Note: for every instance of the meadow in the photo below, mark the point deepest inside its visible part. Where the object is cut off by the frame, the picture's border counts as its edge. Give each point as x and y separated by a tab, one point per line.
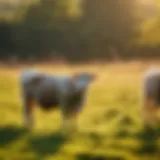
109	127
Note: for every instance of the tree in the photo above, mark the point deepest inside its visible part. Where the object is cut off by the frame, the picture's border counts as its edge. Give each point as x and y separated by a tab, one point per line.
6	39
108	24
75	29
150	29
44	28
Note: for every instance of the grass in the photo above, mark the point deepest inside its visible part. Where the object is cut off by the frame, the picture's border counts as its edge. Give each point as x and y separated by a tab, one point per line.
110	126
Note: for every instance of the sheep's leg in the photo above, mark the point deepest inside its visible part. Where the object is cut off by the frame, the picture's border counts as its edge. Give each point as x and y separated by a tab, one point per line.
74	123
73	117
149	111
28	112
64	124
66	119
145	111
69	116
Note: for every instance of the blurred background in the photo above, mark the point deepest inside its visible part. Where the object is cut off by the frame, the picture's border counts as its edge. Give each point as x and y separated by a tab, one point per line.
79	30
68	36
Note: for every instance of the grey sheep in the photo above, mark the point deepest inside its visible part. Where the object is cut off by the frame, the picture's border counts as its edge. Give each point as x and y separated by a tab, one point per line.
48	91
151	96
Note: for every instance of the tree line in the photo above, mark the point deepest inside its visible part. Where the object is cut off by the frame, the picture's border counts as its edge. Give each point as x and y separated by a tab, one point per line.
78	30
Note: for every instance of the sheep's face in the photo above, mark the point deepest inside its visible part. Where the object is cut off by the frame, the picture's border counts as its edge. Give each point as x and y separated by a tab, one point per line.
83	80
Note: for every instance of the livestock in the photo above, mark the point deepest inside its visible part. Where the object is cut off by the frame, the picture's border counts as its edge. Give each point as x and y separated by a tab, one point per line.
151	96
49	91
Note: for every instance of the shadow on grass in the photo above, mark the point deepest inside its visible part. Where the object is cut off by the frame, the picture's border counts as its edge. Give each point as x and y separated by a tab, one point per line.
124	124
9	134
149	138
97	157
112	113
46	144
123	133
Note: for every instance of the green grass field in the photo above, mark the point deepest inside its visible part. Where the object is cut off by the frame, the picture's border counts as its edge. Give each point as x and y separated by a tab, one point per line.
110	125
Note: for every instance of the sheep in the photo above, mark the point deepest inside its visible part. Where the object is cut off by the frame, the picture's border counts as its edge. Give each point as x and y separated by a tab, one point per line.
151	96
49	91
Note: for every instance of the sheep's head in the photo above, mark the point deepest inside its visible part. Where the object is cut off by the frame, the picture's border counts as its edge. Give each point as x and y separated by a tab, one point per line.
83	79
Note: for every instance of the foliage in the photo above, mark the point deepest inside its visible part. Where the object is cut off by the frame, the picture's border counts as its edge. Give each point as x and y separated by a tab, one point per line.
76	30
150	29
